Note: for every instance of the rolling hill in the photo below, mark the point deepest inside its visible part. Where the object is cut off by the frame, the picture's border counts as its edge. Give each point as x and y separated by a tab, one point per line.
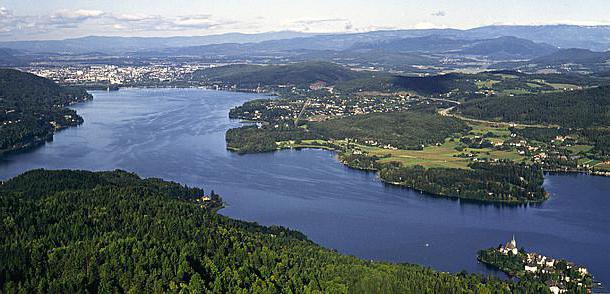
10	57
496	48
251	76
575	56
579	109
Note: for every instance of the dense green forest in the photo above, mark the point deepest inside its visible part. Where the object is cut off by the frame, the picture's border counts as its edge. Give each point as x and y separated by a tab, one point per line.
79	231
299	74
486	181
509	264
32	108
437	84
404	130
252	139
580	109
502	181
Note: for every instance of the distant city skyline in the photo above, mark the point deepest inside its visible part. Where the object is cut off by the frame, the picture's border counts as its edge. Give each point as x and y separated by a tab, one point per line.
60	19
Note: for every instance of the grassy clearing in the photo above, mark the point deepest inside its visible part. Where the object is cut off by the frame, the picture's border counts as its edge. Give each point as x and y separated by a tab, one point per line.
533	85
563	86
580	148
317	144
442	156
509	155
590	162
432	156
507	76
488	84
481	129
515	92
603	166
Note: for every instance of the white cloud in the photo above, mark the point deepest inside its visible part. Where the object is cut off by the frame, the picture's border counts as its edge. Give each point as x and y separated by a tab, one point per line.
439	13
83	13
4	11
71	18
132	17
321	25
160	23
76	20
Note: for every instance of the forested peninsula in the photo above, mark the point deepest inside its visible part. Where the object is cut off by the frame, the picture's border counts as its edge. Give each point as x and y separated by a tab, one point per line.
488	180
33	108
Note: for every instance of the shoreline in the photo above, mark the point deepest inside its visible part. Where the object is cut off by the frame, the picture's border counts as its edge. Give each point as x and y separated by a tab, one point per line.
401	185
39	141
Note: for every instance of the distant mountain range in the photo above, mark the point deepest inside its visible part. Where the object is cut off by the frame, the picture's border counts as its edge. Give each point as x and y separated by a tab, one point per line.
596	38
11	57
529	48
576	56
120	45
303	74
496	48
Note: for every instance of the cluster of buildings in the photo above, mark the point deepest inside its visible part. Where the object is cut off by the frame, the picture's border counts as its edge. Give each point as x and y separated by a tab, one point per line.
558	275
108	74
208	201
328	107
510	247
331	106
566	273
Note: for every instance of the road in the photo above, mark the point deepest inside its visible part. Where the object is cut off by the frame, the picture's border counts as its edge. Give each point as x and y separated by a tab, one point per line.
447	112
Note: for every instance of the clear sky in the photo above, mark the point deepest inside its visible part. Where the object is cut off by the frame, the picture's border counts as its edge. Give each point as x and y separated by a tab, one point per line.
58	19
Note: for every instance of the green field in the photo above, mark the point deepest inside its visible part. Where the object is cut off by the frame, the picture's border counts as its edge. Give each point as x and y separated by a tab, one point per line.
442	156
603	166
576	149
486	84
432	156
563	86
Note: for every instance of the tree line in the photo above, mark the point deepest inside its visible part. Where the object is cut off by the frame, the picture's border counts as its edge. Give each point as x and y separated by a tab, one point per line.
79	231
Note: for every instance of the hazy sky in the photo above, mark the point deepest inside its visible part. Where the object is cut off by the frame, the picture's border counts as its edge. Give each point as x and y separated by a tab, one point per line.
57	19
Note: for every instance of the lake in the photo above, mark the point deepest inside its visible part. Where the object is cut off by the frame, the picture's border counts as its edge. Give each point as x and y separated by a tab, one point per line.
178	134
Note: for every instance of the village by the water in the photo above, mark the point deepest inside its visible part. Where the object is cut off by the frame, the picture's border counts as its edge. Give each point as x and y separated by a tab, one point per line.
559	275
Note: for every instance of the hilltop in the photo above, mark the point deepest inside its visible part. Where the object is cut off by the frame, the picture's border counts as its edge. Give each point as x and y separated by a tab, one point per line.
301	74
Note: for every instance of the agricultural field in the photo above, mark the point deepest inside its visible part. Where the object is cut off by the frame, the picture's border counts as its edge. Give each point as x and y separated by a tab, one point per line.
450	154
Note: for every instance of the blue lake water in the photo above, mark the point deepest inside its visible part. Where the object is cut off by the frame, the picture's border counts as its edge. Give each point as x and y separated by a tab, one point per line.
178	134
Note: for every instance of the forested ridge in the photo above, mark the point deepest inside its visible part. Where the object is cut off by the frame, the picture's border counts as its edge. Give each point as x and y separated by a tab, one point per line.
300	74
77	231
32	108
578	109
406	130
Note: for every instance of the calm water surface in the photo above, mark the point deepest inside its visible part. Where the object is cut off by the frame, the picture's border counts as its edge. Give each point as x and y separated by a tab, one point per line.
178	134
